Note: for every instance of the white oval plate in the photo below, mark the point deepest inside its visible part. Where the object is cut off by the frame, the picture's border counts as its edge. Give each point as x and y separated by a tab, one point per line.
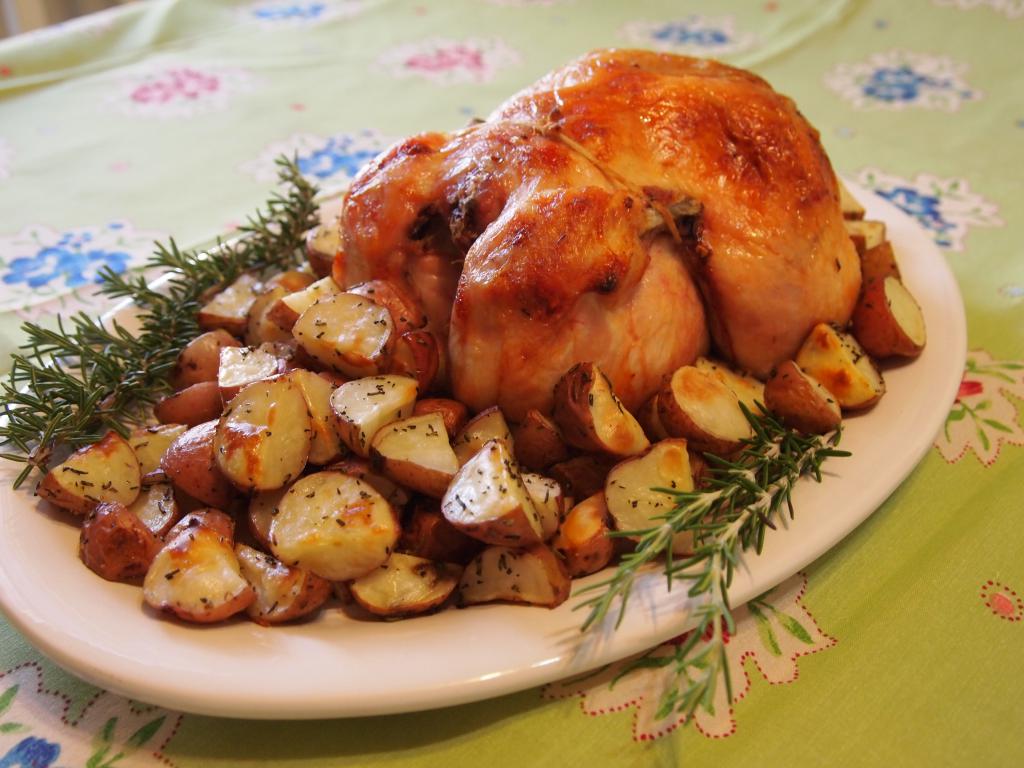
339	666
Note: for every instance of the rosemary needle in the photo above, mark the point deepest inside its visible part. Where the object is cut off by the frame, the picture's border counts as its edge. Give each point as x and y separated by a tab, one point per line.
70	385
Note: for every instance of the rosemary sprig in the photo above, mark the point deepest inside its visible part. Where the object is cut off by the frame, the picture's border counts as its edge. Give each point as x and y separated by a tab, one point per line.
71	385
730	515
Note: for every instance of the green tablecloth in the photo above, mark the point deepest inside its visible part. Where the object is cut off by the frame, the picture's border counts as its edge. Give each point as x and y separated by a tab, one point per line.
902	646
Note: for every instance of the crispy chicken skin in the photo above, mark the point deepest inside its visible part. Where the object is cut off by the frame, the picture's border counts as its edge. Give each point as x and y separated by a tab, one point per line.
617	211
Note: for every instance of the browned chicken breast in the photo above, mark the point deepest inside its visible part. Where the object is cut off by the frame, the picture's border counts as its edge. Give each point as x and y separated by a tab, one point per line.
618	211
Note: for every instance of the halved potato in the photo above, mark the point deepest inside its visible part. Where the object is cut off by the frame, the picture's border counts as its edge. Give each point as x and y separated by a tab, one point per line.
629	491
415	452
489	500
887	321
229	309
582	476
405	585
282	593
878	263
191	466
334	525
590	415
263	439
196	575
190	406
322	242
361	468
405	310
865	234
347	333
800	401
848	204
839	362
650	421
747	389
362	406
534	575
695	404
418	354
200	359
151	443
487	425
582	539
426	533
317	391
104	471
549	501
115	544
538	443
263	506
454	413
288	308
157	508
242	366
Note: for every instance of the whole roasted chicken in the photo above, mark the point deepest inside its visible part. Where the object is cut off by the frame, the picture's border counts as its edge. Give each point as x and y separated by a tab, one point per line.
630	209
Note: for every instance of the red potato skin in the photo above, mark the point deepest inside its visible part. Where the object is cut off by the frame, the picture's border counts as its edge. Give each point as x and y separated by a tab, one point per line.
200	360
790	396
538	443
115	545
191	466
876	327
191	406
878	263
427	534
454	413
418	354
406	313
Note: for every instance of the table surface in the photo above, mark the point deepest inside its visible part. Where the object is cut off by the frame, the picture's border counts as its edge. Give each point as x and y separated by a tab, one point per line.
901	646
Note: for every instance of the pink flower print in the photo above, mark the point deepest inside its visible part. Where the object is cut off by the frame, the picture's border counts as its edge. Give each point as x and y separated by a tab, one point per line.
1002	601
458	56
969	387
183	83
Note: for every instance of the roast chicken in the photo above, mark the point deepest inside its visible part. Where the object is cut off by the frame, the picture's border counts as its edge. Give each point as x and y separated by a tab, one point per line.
632	209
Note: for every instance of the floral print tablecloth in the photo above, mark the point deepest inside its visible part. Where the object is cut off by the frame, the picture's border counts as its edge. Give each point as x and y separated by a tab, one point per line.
902	646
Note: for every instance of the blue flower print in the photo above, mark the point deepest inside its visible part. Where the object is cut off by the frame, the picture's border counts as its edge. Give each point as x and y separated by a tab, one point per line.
334	157
681	33
30	752
71	257
900	84
925	208
288	11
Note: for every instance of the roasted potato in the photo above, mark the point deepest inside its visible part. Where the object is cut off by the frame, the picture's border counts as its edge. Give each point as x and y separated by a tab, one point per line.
242	366
549	501
487	425
650	421
263	506
362	406
287	309
747	389
582	476
695	404
453	412
405	310
361	468
282	593
196	575
151	443
156	508
322	242
326	445
229	309
190	406
263	439
848	204
427	534
800	401
538	443
191	467
887	321
866	234
418	354
582	539
489	500
878	263
415	452
838	361
405	585
633	504
115	544
534	575
347	333
200	359
334	525
590	415
104	471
